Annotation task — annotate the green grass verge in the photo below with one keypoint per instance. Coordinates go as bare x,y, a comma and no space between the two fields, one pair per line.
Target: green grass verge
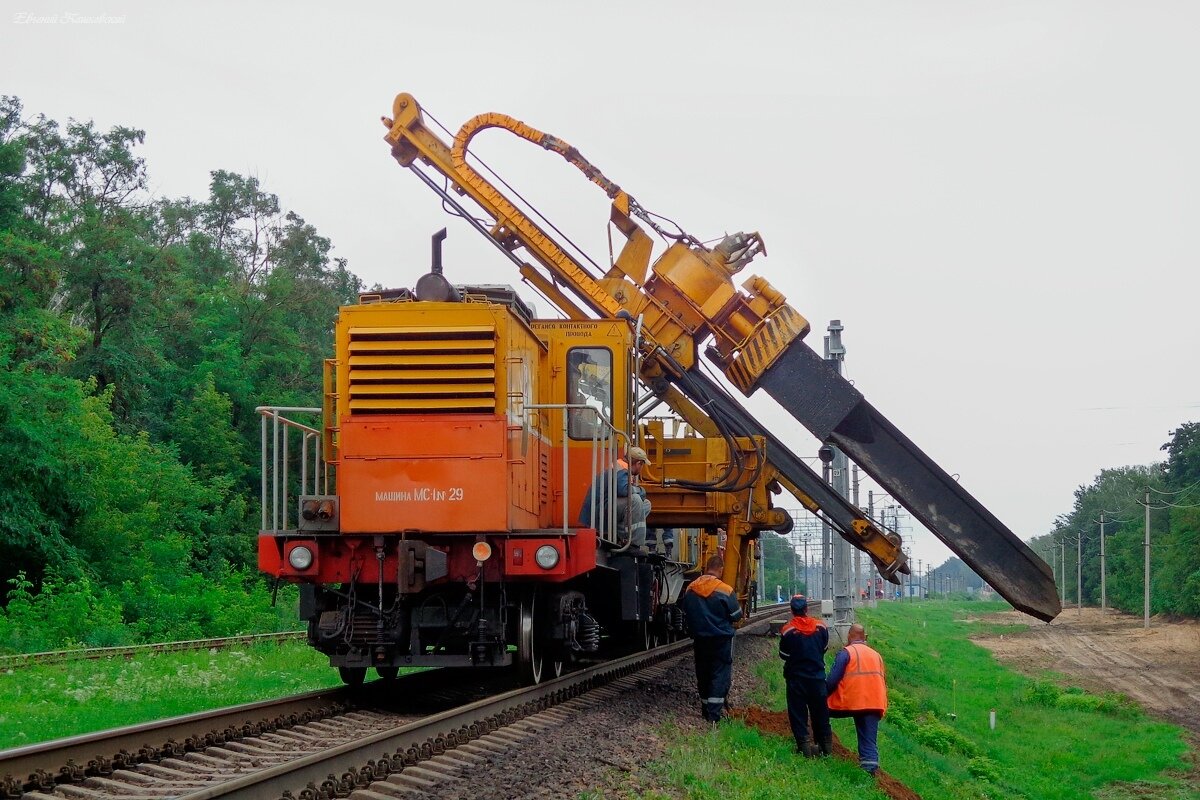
48,702
733,761
1052,741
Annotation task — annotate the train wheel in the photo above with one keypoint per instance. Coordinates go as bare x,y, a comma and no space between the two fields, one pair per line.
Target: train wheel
388,673
649,634
353,676
536,659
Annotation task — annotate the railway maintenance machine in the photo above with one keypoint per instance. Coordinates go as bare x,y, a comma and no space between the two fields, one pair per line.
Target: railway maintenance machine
430,511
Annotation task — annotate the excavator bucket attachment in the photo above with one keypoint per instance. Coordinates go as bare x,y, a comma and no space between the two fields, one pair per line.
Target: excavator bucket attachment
834,411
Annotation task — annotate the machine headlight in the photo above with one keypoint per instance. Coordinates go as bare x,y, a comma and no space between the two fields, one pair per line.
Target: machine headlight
482,551
546,556
300,557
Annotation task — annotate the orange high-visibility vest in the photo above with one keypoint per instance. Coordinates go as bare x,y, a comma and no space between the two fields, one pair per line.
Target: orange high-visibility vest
862,686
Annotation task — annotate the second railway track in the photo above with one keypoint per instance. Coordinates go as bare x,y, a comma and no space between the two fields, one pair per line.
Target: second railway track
319,745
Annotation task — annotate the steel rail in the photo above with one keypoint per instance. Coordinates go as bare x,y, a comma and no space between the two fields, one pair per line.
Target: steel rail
359,763
72,758
38,768
17,660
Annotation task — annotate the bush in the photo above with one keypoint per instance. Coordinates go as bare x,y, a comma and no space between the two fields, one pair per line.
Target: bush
64,614
76,613
941,737
902,709
1049,695
984,768
1108,703
1043,693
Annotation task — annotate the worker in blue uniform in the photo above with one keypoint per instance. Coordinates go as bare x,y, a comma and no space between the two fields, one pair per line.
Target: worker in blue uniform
802,645
631,507
711,609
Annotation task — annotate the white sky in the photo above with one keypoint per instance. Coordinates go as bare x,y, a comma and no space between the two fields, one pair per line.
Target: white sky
998,200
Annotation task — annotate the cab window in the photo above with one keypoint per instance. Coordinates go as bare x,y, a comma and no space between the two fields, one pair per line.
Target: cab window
589,383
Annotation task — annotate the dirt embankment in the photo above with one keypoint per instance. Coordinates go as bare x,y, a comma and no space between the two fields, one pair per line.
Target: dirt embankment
1111,651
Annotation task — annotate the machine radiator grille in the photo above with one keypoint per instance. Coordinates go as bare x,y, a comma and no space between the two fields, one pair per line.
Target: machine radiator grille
422,370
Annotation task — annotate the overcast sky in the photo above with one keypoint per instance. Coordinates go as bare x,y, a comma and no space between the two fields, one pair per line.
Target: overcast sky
998,200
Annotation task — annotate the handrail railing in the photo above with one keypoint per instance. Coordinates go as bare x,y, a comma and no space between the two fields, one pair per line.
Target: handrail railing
604,449
276,462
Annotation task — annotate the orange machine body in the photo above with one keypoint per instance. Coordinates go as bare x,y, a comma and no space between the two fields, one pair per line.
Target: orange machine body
459,439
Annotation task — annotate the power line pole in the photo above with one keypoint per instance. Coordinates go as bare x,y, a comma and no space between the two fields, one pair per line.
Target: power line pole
807,579
825,453
1146,599
855,596
761,552
871,516
1103,588
1062,549
1052,559
791,565
1079,573
843,606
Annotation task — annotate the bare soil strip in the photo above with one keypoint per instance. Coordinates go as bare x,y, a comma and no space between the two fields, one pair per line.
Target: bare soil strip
1111,651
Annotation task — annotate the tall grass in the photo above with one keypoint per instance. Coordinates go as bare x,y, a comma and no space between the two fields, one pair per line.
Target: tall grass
48,702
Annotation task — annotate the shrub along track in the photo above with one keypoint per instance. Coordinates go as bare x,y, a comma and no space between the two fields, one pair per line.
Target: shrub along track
302,745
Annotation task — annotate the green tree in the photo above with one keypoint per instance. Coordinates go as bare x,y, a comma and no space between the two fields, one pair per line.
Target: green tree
1179,578
137,334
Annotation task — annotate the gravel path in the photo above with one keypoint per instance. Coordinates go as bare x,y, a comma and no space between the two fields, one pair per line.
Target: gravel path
600,751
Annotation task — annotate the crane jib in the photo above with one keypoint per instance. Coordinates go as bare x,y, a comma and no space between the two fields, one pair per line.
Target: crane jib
824,402
837,510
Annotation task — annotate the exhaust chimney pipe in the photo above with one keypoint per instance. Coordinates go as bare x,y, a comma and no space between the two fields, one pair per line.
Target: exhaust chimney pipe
438,238
434,287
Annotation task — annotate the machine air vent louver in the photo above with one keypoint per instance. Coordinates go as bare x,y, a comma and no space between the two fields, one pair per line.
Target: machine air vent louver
422,370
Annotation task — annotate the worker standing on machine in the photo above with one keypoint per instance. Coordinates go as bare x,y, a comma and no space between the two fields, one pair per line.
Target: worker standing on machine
802,645
711,609
632,507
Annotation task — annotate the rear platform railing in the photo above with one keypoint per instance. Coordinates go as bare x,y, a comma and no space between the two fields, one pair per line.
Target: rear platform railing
279,433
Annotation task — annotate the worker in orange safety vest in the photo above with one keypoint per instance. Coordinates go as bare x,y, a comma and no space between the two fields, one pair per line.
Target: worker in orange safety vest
857,688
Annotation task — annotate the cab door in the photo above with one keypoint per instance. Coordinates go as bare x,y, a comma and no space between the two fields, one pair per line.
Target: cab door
591,374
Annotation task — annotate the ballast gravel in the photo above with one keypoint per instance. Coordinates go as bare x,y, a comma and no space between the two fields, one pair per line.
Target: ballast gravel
603,750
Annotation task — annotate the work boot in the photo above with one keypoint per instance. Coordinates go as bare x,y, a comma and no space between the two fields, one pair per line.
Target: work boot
826,743
805,748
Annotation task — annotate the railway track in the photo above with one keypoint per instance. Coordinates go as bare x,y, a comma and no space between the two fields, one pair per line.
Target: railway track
365,743
17,660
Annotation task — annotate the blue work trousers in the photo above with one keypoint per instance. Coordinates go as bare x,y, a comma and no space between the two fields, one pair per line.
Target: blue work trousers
805,698
866,726
714,673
